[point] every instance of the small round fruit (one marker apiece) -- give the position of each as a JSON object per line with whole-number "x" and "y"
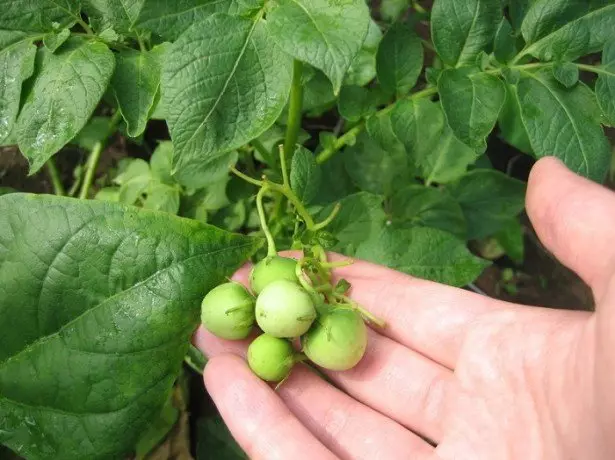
{"x": 284, "y": 309}
{"x": 271, "y": 358}
{"x": 270, "y": 269}
{"x": 337, "y": 341}
{"x": 227, "y": 311}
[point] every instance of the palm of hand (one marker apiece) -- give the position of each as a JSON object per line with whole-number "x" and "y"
{"x": 479, "y": 378}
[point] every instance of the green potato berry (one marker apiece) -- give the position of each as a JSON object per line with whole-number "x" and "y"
{"x": 270, "y": 269}
{"x": 271, "y": 358}
{"x": 227, "y": 311}
{"x": 337, "y": 341}
{"x": 284, "y": 309}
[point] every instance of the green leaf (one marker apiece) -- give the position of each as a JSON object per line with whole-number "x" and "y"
{"x": 17, "y": 64}
{"x": 605, "y": 85}
{"x": 161, "y": 162}
{"x": 375, "y": 168}
{"x": 356, "y": 102}
{"x": 162, "y": 197}
{"x": 304, "y": 175}
{"x": 512, "y": 129}
{"x": 567, "y": 73}
{"x": 135, "y": 83}
{"x": 170, "y": 19}
{"x": 133, "y": 181}
{"x": 318, "y": 95}
{"x": 489, "y": 199}
{"x": 102, "y": 300}
{"x": 461, "y": 29}
{"x": 54, "y": 40}
{"x": 423, "y": 252}
{"x": 472, "y": 102}
{"x": 38, "y": 15}
{"x": 215, "y": 441}
{"x": 564, "y": 123}
{"x": 224, "y": 83}
{"x": 565, "y": 30}
{"x": 439, "y": 156}
{"x": 96, "y": 130}
{"x": 511, "y": 240}
{"x": 420, "y": 206}
{"x": 157, "y": 430}
{"x": 360, "y": 216}
{"x": 400, "y": 59}
{"x": 324, "y": 33}
{"x": 505, "y": 46}
{"x": 67, "y": 88}
{"x": 119, "y": 15}
{"x": 391, "y": 10}
{"x": 362, "y": 69}
{"x": 517, "y": 10}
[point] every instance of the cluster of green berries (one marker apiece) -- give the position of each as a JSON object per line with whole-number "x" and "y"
{"x": 330, "y": 336}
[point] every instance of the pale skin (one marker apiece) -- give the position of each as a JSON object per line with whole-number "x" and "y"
{"x": 477, "y": 377}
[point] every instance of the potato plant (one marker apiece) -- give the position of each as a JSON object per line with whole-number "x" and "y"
{"x": 312, "y": 125}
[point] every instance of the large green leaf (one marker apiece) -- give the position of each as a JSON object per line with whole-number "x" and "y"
{"x": 215, "y": 441}
{"x": 511, "y": 124}
{"x": 17, "y": 64}
{"x": 564, "y": 29}
{"x": 362, "y": 69}
{"x": 224, "y": 83}
{"x": 504, "y": 44}
{"x": 489, "y": 200}
{"x": 68, "y": 86}
{"x": 400, "y": 59}
{"x": 324, "y": 33}
{"x": 170, "y": 19}
{"x": 360, "y": 217}
{"x": 135, "y": 83}
{"x": 391, "y": 10}
{"x": 117, "y": 14}
{"x": 605, "y": 85}
{"x": 423, "y": 252}
{"x": 565, "y": 123}
{"x": 472, "y": 102}
{"x": 420, "y": 206}
{"x": 461, "y": 29}
{"x": 420, "y": 125}
{"x": 37, "y": 15}
{"x": 376, "y": 166}
{"x": 101, "y": 300}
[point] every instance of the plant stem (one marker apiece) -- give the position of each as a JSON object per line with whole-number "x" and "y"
{"x": 58, "y": 188}
{"x": 94, "y": 157}
{"x": 85, "y": 26}
{"x": 370, "y": 317}
{"x": 271, "y": 250}
{"x": 329, "y": 218}
{"x": 92, "y": 163}
{"x": 252, "y": 181}
{"x": 285, "y": 181}
{"x": 294, "y": 110}
{"x": 418, "y": 8}
{"x": 327, "y": 153}
{"x": 142, "y": 46}
{"x": 594, "y": 69}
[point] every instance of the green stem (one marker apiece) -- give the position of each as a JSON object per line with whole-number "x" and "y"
{"x": 594, "y": 69}
{"x": 271, "y": 250}
{"x": 329, "y": 218}
{"x": 366, "y": 314}
{"x": 92, "y": 163}
{"x": 418, "y": 7}
{"x": 294, "y": 110}
{"x": 54, "y": 175}
{"x": 85, "y": 26}
{"x": 327, "y": 153}
{"x": 285, "y": 181}
{"x": 142, "y": 46}
{"x": 94, "y": 157}
{"x": 252, "y": 181}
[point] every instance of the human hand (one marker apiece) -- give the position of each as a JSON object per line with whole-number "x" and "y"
{"x": 478, "y": 377}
